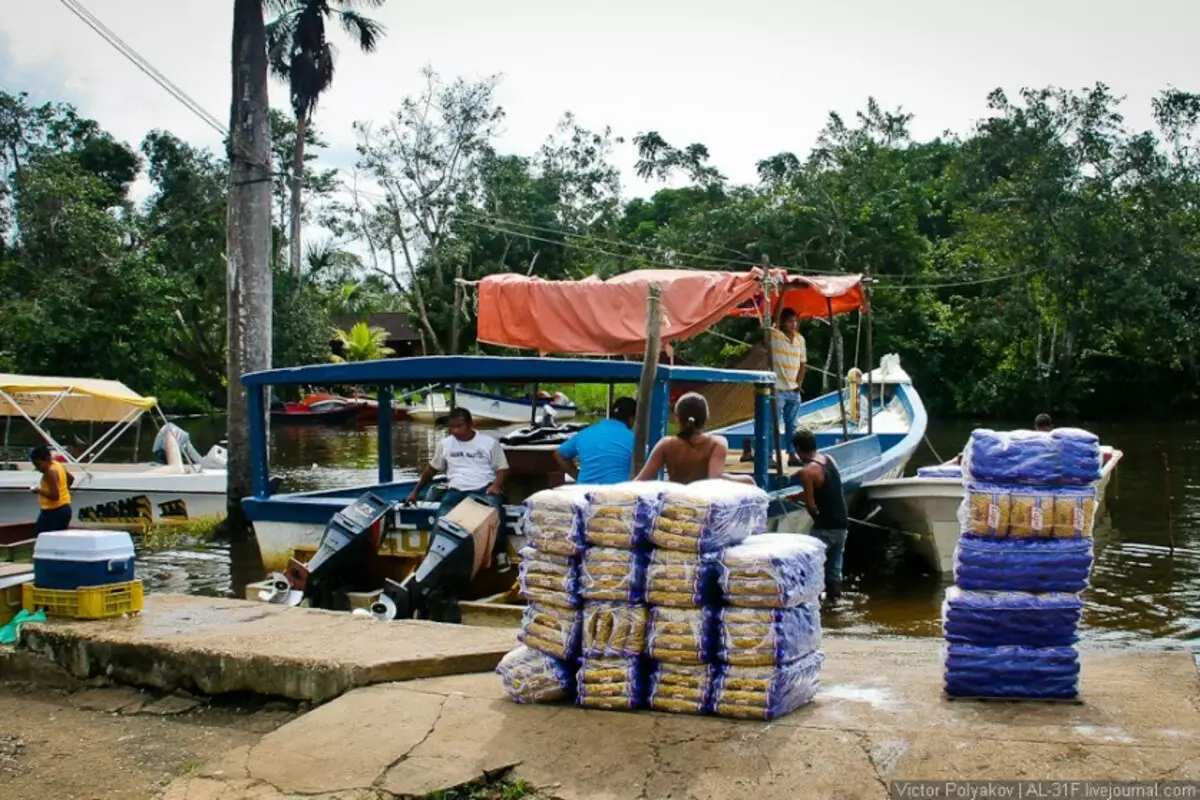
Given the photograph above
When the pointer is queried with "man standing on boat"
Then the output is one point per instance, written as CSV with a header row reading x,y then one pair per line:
x,y
604,449
790,358
826,504
54,491
474,463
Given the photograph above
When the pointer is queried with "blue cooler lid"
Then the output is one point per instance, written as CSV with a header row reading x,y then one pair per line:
x,y
79,545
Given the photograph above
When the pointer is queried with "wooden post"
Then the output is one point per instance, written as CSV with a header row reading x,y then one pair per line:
x,y
533,400
768,340
840,370
612,390
645,391
383,400
455,320
870,358
1170,515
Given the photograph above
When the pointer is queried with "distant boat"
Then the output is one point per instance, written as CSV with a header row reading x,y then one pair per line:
x,y
368,407
326,412
489,407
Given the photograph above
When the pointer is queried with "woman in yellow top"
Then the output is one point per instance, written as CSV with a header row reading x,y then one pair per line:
x,y
54,491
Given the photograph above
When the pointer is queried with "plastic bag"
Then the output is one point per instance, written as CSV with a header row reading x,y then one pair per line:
x,y
773,570
613,683
553,630
765,636
1028,512
554,519
614,630
683,688
548,579
1022,565
940,471
709,515
1064,456
1011,618
622,515
1012,671
530,676
678,578
11,632
615,575
682,635
767,692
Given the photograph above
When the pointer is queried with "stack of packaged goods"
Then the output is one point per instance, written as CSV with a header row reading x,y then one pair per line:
x,y
543,668
1011,621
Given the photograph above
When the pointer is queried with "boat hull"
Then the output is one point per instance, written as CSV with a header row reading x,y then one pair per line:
x,y
483,408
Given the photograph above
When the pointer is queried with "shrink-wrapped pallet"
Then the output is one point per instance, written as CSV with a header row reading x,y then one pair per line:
x,y
553,630
1028,512
1012,671
615,575
613,683
554,519
612,630
1022,565
682,579
621,515
1011,618
549,579
1062,457
773,570
767,692
683,688
531,676
709,515
682,635
757,637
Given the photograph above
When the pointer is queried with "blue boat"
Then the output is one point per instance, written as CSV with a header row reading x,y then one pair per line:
x,y
290,525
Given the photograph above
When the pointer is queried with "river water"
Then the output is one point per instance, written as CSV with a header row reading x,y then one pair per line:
x,y
1141,593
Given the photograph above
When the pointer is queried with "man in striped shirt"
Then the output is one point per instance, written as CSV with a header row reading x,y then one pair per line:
x,y
790,358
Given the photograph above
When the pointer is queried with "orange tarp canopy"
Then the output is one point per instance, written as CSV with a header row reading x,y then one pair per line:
x,y
595,317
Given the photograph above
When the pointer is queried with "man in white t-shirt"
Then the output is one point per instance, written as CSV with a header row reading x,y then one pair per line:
x,y
474,463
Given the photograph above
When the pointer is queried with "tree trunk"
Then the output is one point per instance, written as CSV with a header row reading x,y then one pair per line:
x,y
456,319
297,195
248,276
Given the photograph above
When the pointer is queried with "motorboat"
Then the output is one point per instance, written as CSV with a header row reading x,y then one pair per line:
x,y
485,407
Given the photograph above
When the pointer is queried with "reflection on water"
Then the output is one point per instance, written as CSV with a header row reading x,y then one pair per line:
x,y
1140,591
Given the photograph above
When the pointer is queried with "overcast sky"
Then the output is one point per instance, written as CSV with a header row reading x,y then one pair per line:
x,y
748,78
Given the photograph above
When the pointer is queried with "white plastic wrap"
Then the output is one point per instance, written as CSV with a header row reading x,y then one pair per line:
x,y
622,515
1028,512
549,579
618,576
530,676
1012,671
612,630
709,515
773,570
755,637
1062,457
552,630
613,683
681,579
767,692
683,688
992,619
1022,565
554,519
682,635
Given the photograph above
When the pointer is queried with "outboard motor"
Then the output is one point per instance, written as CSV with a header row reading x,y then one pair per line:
x,y
162,448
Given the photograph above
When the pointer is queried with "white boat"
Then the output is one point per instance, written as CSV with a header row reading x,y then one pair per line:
x,y
105,494
489,407
927,509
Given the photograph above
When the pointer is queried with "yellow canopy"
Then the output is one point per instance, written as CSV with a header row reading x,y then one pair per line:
x,y
86,400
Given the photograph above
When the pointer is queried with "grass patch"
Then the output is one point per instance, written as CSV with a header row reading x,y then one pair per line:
x,y
160,536
490,790
592,398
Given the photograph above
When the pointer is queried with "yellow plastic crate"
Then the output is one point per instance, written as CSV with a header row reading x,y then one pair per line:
x,y
86,602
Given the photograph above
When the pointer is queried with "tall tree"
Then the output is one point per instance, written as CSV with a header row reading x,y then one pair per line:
x,y
301,55
248,277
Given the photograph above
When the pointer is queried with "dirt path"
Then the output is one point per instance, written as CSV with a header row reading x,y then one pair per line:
x,y
114,743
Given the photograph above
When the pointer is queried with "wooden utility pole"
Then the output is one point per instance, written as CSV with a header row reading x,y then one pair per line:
x,y
769,341
455,318
870,357
841,372
645,391
248,241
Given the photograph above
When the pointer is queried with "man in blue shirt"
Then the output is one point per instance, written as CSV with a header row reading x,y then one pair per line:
x,y
604,449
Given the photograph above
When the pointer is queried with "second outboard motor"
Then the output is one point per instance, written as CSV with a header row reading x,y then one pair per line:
x,y
349,538
432,592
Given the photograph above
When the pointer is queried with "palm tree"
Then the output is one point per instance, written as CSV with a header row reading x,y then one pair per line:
x,y
302,56
361,343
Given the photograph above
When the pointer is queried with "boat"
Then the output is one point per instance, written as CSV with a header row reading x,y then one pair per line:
x,y
368,407
326,412
105,494
926,507
485,407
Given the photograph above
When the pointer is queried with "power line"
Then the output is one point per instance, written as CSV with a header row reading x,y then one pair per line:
x,y
952,284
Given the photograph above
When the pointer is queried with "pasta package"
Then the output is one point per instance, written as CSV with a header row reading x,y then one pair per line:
x,y
1022,565
548,579
1032,513
1012,671
682,635
614,630
621,515
1062,457
709,515
608,573
552,630
618,684
683,688
678,578
986,510
773,570
767,692
756,637
1074,512
554,519
1011,618
530,676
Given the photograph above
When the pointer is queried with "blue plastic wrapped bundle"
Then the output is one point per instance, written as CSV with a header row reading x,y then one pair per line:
x,y
683,688
940,471
773,570
622,515
1022,565
1065,456
552,630
613,683
1011,618
756,637
549,579
531,676
708,515
1042,673
682,635
767,692
618,576
613,630
554,519
682,579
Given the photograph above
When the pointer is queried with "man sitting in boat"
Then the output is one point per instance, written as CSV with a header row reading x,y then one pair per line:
x,y
789,357
604,449
691,454
54,491
826,504
474,463
1043,423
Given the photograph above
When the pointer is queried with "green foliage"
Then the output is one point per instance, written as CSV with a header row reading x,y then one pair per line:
x,y
361,343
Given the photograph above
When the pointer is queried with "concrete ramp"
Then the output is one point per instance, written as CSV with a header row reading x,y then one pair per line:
x,y
217,646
